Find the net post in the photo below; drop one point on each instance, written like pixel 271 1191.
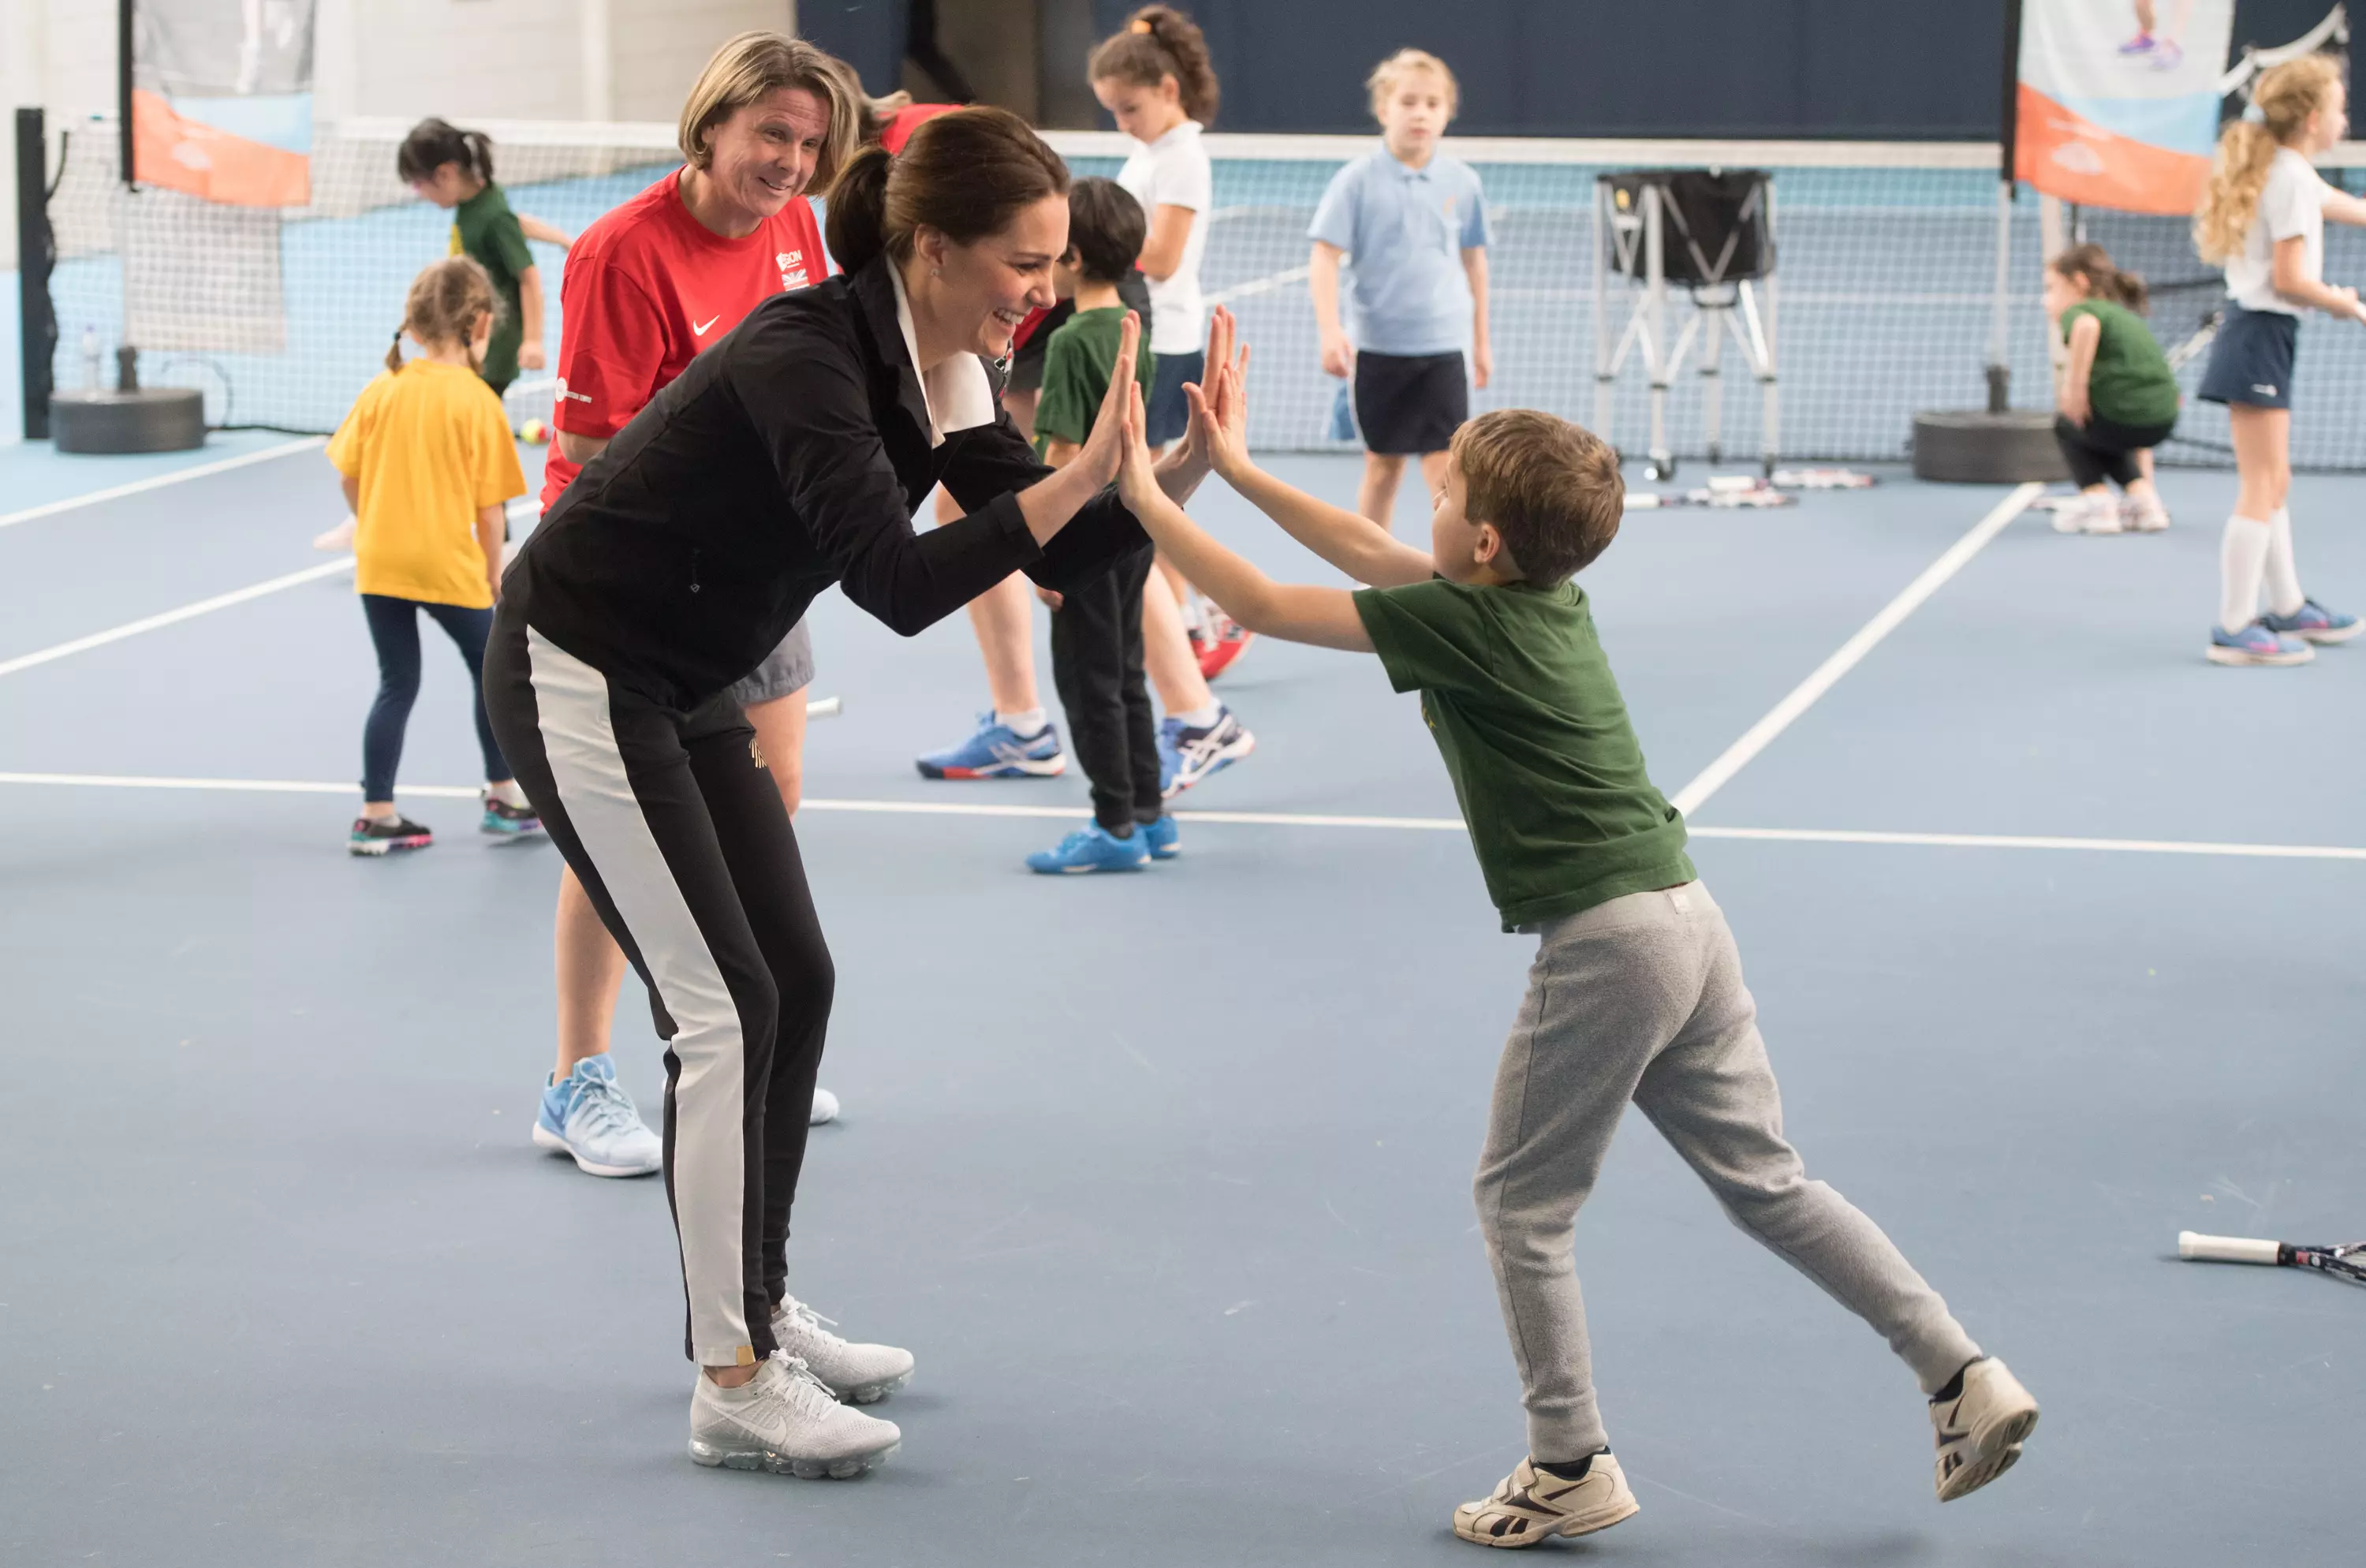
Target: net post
pixel 123 10
pixel 1999 370
pixel 36 316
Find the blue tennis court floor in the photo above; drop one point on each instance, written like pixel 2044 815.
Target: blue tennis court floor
pixel 1165 1179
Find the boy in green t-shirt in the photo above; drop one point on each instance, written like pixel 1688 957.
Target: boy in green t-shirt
pixel 1636 994
pixel 1097 654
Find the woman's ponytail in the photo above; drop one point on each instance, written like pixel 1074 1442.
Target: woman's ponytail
pixel 856 227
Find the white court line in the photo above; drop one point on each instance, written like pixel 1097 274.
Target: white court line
pixel 1290 819
pixel 141 487
pixel 1759 736
pixel 1269 282
pixel 187 612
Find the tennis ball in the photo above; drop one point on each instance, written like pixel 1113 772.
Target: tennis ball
pixel 534 432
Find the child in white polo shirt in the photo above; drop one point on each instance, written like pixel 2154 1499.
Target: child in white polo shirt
pixel 1414 224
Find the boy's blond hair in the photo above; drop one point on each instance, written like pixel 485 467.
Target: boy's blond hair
pixel 1404 63
pixel 1551 488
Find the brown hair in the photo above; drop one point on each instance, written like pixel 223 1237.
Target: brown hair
pixel 444 301
pixel 870 114
pixel 1160 41
pixel 2286 96
pixel 1551 488
pixel 1106 229
pixel 2104 280
pixel 966 174
pixel 749 67
pixel 433 144
pixel 1403 63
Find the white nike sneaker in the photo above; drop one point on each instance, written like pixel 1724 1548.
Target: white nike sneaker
pixel 783 1420
pixel 1533 1503
pixel 860 1374
pixel 1981 1430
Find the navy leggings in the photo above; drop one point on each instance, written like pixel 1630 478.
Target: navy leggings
pixel 394 629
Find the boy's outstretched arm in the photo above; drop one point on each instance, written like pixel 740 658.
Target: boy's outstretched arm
pixel 1323 617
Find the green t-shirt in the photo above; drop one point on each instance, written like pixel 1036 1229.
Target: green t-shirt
pixel 1521 700
pixel 1077 366
pixel 2131 382
pixel 484 227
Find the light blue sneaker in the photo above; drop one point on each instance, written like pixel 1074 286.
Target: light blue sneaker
pixel 1161 837
pixel 2313 622
pixel 589 1116
pixel 2257 644
pixel 997 752
pixel 1187 755
pixel 1091 848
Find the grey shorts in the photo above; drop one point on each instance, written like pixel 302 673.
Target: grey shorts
pixel 788 668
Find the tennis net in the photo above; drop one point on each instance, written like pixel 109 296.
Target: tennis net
pixel 1884 288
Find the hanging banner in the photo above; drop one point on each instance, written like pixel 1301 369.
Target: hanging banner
pixel 221 99
pixel 2118 102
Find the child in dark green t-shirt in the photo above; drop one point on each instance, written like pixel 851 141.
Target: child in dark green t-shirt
pixel 454 168
pixel 2118 399
pixel 1636 995
pixel 1096 652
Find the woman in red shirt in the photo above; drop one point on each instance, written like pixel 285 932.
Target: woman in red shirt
pixel 646 288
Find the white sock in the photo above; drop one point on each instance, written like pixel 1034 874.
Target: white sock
pixel 2242 556
pixel 507 793
pixel 1026 725
pixel 2283 578
pixel 1200 718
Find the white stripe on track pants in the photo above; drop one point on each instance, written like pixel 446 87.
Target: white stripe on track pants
pixel 677 830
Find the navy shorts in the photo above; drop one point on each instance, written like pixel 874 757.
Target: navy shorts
pixel 1169 413
pixel 2251 359
pixel 1408 404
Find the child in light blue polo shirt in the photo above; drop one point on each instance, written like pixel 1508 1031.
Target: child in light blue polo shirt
pixel 1415 222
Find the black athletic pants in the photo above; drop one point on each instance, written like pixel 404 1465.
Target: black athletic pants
pixel 1096 666
pixel 2100 450
pixel 677 830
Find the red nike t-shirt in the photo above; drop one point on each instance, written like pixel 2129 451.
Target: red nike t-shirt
pixel 908 120
pixel 646 289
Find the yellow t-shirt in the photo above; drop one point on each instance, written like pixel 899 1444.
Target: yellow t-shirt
pixel 429 445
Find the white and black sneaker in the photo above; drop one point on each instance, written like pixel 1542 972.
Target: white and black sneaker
pixel 1982 1417
pixel 859 1374
pixel 785 1420
pixel 1534 1503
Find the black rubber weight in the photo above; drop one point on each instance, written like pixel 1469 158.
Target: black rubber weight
pixel 1973 446
pixel 153 419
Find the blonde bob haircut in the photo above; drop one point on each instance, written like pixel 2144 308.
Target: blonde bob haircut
pixel 754 64
pixel 1404 63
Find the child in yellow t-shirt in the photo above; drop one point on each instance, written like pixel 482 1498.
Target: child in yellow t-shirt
pixel 428 463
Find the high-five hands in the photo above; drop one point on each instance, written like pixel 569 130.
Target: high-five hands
pixel 1137 479
pixel 1220 407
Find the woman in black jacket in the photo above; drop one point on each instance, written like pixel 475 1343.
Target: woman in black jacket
pixel 789 457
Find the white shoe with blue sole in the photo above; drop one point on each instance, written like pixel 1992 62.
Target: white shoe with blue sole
pixel 589 1118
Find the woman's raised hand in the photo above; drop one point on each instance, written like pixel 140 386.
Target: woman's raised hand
pixel 1220 407
pixel 1104 449
pixel 1137 479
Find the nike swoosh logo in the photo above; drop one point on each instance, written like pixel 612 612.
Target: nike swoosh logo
pixel 698 329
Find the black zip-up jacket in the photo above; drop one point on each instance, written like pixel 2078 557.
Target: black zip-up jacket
pixel 788 457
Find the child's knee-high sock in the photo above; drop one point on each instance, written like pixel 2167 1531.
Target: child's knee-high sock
pixel 2242 557
pixel 2282 576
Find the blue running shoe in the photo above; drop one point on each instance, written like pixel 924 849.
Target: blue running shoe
pixel 589 1116
pixel 2313 622
pixel 1090 848
pixel 1188 754
pixel 997 752
pixel 1161 837
pixel 2257 644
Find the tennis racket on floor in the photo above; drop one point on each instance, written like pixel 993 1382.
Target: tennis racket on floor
pixel 2345 1262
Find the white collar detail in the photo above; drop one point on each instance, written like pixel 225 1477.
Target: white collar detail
pixel 957 392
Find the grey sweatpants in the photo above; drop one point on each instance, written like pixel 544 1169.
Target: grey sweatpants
pixel 1641 1000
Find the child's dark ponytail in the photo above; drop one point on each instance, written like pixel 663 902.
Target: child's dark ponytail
pixel 434 142
pixel 2104 279
pixel 1160 41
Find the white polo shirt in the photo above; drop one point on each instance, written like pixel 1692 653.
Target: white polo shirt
pixel 2292 204
pixel 1174 172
